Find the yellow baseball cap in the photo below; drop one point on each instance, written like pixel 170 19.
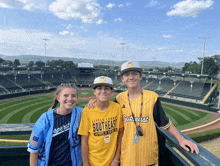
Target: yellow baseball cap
pixel 102 80
pixel 130 65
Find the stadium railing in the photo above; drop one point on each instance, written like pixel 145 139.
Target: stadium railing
pixel 18 155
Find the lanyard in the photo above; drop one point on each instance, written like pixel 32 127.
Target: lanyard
pixel 141 107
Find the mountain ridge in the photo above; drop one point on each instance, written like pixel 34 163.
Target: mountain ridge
pixel 28 58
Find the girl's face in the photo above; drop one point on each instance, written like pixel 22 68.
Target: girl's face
pixel 67 98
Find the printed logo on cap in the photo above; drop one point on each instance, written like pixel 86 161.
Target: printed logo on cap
pixel 102 79
pixel 130 64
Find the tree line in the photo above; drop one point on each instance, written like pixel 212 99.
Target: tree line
pixel 39 64
pixel 211 66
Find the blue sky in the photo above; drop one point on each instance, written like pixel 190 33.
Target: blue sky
pixel 140 30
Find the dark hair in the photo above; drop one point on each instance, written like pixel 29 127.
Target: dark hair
pixel 59 90
pixel 101 86
pixel 133 70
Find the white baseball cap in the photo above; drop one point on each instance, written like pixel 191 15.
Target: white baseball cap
pixel 130 65
pixel 102 80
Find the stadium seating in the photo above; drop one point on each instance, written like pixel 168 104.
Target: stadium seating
pixel 196 90
pixel 10 83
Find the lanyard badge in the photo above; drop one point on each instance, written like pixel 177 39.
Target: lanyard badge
pixel 139 130
pixel 135 138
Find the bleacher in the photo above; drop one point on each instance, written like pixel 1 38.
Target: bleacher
pixel 29 82
pixel 85 79
pixel 83 76
pixel 67 77
pixel 166 85
pixel 152 84
pixel 195 90
pixel 9 83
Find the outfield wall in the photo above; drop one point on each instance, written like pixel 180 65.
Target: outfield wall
pixel 19 94
pixel 190 104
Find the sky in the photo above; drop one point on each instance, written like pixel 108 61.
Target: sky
pixel 138 30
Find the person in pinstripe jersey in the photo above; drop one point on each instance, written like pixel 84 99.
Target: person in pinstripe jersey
pixel 142 111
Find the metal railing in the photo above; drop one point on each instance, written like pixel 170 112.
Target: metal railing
pixel 168 156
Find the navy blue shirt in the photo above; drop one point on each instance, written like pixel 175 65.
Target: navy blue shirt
pixel 60 154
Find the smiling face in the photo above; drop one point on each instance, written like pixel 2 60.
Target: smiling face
pixel 103 93
pixel 67 98
pixel 131 78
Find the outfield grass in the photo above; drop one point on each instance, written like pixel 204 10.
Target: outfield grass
pixel 29 109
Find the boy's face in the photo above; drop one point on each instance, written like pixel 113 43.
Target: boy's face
pixel 131 78
pixel 103 93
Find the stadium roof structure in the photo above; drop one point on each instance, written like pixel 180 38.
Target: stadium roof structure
pixel 85 65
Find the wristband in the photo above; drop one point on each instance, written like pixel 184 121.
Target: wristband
pixel 116 160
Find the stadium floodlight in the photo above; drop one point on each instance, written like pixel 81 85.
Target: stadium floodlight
pixel 203 53
pixel 45 51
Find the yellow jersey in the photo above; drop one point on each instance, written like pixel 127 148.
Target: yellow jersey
pixel 145 151
pixel 102 128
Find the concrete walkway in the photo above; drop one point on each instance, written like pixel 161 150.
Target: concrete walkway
pixel 16 127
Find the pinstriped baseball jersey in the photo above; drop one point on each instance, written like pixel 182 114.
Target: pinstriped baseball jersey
pixel 145 152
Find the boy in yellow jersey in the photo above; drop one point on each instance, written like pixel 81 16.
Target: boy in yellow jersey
pixel 101 128
pixel 141 109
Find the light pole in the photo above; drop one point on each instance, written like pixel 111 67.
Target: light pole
pixel 203 53
pixel 122 44
pixel 45 51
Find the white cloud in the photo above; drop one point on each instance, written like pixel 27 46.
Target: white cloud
pixel 179 50
pixel 25 41
pixel 128 3
pixel 190 8
pixel 167 36
pixel 121 5
pixel 110 5
pixel 65 33
pixel 152 3
pixel 69 26
pixel 29 5
pixel 118 19
pixel 162 48
pixel 87 11
pixel 30 42
pixel 10 3
pixel 100 22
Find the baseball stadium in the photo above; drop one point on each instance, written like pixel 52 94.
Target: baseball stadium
pixel 187 99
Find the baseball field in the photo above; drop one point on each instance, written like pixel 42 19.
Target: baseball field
pixel 28 109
